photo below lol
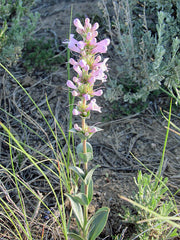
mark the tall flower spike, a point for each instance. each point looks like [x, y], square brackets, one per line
[89, 67]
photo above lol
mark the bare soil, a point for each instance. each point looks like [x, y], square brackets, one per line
[141, 134]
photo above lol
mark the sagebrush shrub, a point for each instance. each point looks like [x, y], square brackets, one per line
[40, 54]
[17, 24]
[145, 38]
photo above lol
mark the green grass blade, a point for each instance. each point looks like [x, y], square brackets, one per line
[11, 220]
[165, 144]
[40, 170]
[19, 194]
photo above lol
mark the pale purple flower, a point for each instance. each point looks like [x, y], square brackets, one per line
[91, 80]
[76, 80]
[101, 47]
[75, 93]
[72, 61]
[77, 127]
[93, 106]
[87, 96]
[93, 42]
[89, 36]
[99, 75]
[76, 112]
[89, 68]
[87, 24]
[97, 93]
[82, 63]
[70, 84]
[92, 129]
[78, 70]
[95, 26]
[81, 45]
[94, 34]
[97, 60]
[101, 65]
[86, 68]
[78, 24]
[72, 44]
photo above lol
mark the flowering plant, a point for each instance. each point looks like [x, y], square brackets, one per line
[89, 68]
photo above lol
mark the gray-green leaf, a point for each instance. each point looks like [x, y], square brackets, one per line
[79, 171]
[90, 191]
[74, 236]
[97, 223]
[81, 198]
[85, 157]
[77, 209]
[89, 174]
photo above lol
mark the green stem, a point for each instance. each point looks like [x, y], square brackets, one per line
[164, 148]
[85, 170]
[70, 97]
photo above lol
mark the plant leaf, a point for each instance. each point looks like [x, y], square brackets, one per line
[90, 191]
[81, 198]
[79, 171]
[85, 157]
[173, 234]
[89, 174]
[74, 236]
[77, 209]
[97, 223]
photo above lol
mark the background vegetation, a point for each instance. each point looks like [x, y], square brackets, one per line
[145, 36]
[17, 25]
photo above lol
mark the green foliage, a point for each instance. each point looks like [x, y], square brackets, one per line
[17, 24]
[40, 54]
[145, 37]
[97, 223]
[155, 198]
[91, 228]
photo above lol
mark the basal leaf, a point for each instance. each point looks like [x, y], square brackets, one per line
[97, 223]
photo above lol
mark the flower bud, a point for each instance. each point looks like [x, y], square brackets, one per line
[78, 24]
[95, 26]
[76, 112]
[70, 84]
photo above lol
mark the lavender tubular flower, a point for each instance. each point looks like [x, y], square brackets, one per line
[70, 84]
